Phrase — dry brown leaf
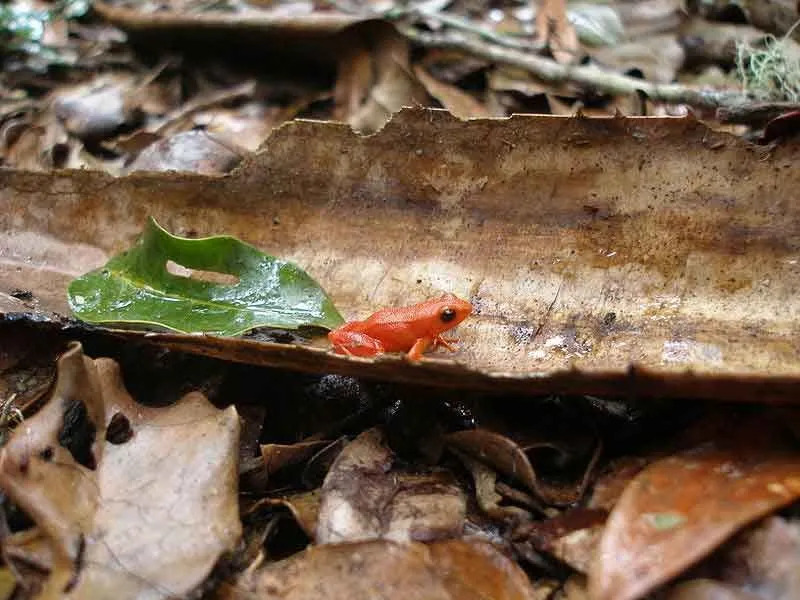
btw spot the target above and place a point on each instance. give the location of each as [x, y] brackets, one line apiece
[638, 256]
[706, 589]
[448, 570]
[393, 86]
[512, 459]
[353, 81]
[488, 498]
[156, 506]
[303, 506]
[362, 500]
[658, 58]
[457, 101]
[644, 18]
[97, 110]
[554, 29]
[766, 558]
[679, 509]
[571, 536]
[279, 456]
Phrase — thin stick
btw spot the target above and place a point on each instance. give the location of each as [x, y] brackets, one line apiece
[551, 71]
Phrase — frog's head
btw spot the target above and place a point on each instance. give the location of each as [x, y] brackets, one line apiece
[451, 310]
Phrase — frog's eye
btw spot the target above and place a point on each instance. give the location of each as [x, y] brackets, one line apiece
[447, 314]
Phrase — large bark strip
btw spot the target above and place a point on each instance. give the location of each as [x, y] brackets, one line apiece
[602, 255]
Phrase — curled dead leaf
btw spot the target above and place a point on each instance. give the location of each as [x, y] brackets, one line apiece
[148, 515]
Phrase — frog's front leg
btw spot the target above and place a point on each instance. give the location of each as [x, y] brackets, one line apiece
[418, 348]
[354, 343]
[446, 342]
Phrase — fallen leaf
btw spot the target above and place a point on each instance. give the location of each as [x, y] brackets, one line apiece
[658, 58]
[572, 536]
[362, 500]
[765, 557]
[194, 151]
[8, 583]
[279, 456]
[394, 85]
[489, 499]
[97, 110]
[706, 589]
[514, 460]
[554, 29]
[303, 506]
[680, 508]
[458, 102]
[136, 287]
[149, 515]
[447, 570]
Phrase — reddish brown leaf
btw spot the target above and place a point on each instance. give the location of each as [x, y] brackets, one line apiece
[681, 508]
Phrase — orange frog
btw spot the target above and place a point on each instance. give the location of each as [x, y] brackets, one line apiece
[409, 329]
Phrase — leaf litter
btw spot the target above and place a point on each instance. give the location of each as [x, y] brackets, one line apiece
[357, 478]
[152, 491]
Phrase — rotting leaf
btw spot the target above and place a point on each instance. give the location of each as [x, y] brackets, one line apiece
[136, 287]
[158, 511]
[680, 508]
[446, 570]
[513, 460]
[361, 500]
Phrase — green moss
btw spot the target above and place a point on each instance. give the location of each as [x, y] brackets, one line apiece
[770, 72]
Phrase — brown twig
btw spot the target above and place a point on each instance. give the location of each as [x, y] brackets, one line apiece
[591, 76]
[756, 114]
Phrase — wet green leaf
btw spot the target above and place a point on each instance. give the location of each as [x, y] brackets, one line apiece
[136, 287]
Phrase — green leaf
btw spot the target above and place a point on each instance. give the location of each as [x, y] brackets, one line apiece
[135, 287]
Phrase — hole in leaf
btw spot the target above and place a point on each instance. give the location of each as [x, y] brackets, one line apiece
[77, 433]
[119, 429]
[208, 276]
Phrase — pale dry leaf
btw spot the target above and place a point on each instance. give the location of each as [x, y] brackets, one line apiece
[195, 151]
[153, 504]
[363, 500]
